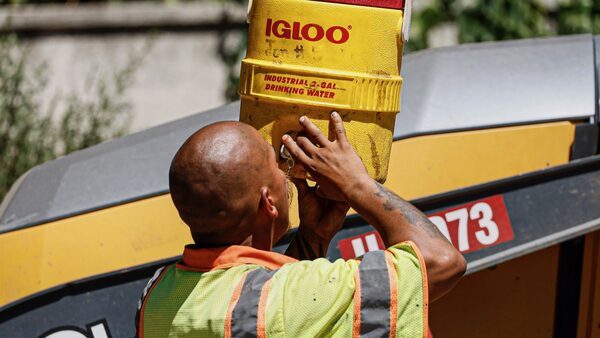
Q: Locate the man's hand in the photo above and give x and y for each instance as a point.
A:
(332, 161)
(319, 215)
(341, 175)
(320, 220)
(323, 208)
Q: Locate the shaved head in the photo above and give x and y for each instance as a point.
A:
(216, 179)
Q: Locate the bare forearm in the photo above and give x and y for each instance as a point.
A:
(397, 221)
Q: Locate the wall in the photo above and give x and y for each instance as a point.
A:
(181, 74)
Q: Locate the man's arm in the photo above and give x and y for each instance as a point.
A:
(342, 176)
(397, 221)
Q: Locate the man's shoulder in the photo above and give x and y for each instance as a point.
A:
(318, 268)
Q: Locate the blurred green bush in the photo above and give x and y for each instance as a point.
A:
(490, 20)
(29, 136)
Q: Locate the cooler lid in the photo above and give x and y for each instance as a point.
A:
(394, 4)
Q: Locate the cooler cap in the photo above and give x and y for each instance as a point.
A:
(394, 4)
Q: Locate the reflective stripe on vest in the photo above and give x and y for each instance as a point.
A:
(375, 300)
(244, 319)
(376, 296)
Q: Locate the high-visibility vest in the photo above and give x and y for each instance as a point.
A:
(239, 291)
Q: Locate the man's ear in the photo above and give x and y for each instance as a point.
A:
(267, 203)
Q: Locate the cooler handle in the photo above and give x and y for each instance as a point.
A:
(406, 21)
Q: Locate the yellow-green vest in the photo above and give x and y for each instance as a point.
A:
(239, 291)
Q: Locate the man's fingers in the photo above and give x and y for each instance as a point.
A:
(337, 125)
(332, 136)
(314, 132)
(294, 150)
(306, 145)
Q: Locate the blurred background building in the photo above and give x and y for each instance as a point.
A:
(76, 73)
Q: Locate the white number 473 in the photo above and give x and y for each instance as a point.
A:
(481, 212)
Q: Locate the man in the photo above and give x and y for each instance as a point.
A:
(227, 187)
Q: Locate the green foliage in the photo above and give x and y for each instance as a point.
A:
(29, 137)
(231, 50)
(231, 55)
(26, 137)
(438, 13)
(502, 20)
(578, 16)
(105, 113)
(490, 20)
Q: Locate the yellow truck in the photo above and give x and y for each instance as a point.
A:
(496, 142)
